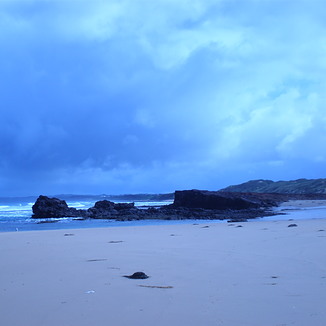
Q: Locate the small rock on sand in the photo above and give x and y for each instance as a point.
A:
(137, 276)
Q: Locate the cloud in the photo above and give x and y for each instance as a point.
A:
(113, 95)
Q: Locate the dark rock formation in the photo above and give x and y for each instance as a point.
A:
(102, 209)
(213, 200)
(108, 209)
(193, 204)
(104, 205)
(46, 207)
(137, 276)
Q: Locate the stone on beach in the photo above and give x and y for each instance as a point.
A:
(137, 276)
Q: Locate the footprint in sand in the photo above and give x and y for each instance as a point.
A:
(156, 286)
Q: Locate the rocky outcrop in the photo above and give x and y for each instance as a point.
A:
(213, 200)
(108, 209)
(102, 209)
(236, 200)
(188, 204)
(46, 207)
(193, 204)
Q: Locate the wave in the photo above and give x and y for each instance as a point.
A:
(15, 215)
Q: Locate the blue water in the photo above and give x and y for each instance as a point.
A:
(15, 215)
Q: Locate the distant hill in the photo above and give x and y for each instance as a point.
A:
(70, 197)
(143, 197)
(123, 197)
(300, 186)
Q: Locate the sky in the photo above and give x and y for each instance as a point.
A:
(142, 96)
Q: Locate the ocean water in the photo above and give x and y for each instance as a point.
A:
(15, 215)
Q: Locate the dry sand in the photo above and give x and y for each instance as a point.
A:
(264, 273)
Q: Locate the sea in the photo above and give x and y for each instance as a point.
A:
(16, 215)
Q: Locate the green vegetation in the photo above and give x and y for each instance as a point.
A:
(300, 186)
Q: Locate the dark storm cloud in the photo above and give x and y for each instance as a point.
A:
(134, 96)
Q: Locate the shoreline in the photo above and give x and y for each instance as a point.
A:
(294, 209)
(263, 273)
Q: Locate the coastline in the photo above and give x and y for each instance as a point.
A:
(293, 209)
(263, 273)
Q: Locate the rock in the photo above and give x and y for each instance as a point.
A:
(292, 225)
(46, 207)
(108, 209)
(104, 205)
(102, 209)
(137, 276)
(187, 205)
(234, 220)
(212, 200)
(124, 206)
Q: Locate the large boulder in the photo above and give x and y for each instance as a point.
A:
(109, 209)
(46, 207)
(102, 209)
(104, 205)
(212, 200)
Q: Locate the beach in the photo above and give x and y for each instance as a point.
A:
(252, 273)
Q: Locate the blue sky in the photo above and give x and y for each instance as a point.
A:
(130, 96)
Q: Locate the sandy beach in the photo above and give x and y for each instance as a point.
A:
(254, 273)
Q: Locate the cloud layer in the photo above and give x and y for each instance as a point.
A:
(152, 96)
